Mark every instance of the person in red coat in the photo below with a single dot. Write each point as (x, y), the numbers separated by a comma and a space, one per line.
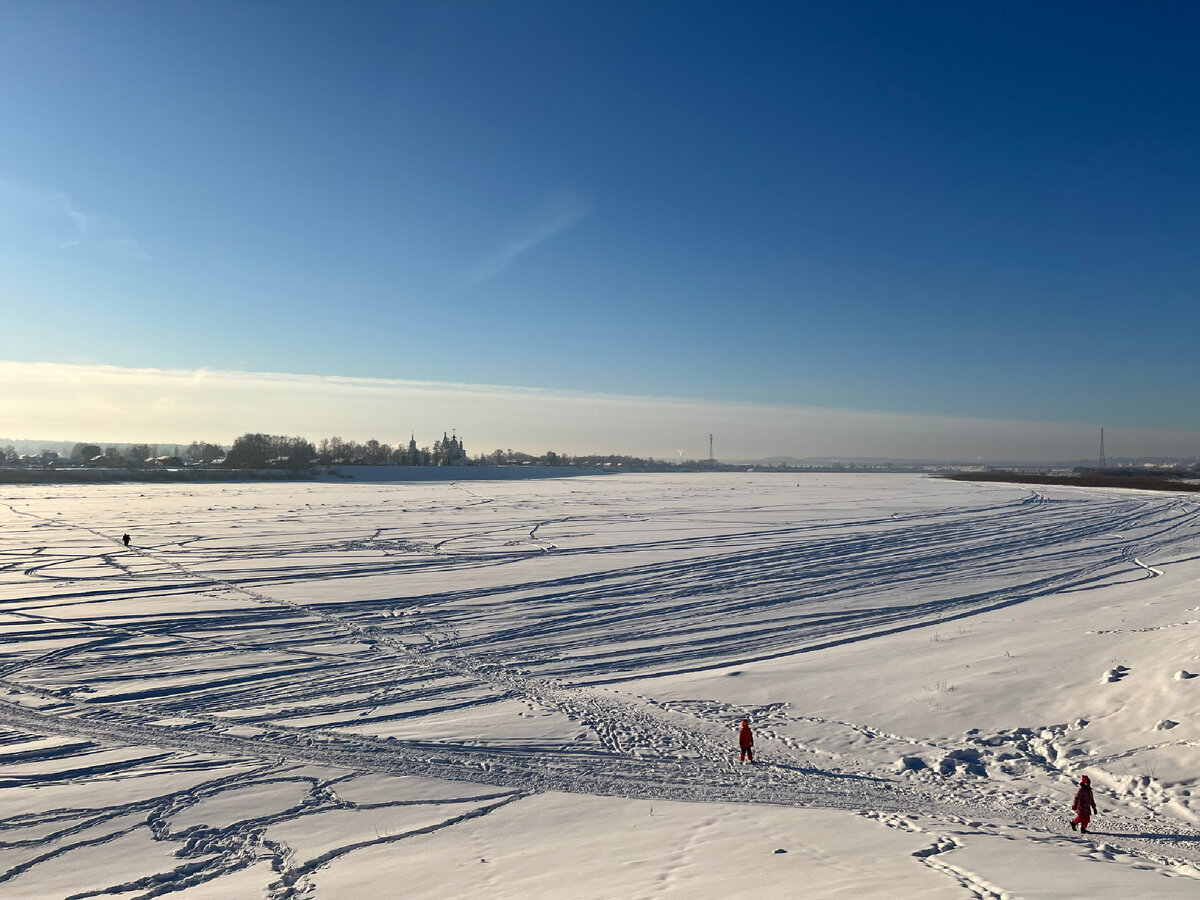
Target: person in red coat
(746, 741)
(1084, 805)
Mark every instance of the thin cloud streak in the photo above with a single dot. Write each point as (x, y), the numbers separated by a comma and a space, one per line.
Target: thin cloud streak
(554, 216)
(57, 401)
(49, 218)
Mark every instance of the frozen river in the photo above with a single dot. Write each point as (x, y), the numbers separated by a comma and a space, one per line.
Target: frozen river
(274, 681)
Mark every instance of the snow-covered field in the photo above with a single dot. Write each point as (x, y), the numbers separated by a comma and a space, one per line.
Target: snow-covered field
(531, 688)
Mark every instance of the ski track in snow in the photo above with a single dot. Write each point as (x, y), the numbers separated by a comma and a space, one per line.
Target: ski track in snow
(224, 669)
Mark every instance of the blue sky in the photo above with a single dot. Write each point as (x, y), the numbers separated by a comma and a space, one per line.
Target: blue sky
(962, 210)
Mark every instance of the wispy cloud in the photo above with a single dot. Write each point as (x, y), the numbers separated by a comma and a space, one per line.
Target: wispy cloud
(109, 403)
(556, 215)
(50, 219)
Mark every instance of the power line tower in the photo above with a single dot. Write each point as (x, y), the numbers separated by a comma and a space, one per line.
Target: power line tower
(1103, 463)
(712, 463)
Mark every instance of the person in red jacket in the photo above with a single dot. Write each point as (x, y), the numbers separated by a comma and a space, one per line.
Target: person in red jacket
(1084, 805)
(746, 741)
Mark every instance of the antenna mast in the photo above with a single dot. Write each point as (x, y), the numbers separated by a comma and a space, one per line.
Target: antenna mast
(1103, 465)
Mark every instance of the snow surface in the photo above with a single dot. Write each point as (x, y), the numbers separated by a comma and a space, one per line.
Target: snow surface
(532, 687)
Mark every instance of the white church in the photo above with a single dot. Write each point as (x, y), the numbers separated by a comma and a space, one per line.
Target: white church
(448, 451)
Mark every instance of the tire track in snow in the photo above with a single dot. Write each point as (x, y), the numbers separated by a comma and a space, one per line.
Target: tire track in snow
(621, 727)
(624, 729)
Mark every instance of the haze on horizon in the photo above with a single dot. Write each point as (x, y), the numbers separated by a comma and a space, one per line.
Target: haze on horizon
(913, 230)
(114, 405)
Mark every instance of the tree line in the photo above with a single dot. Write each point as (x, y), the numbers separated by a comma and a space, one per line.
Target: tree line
(268, 451)
(264, 451)
(123, 455)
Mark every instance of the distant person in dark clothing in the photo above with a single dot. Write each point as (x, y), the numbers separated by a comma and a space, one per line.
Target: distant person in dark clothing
(125, 539)
(746, 741)
(1084, 805)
